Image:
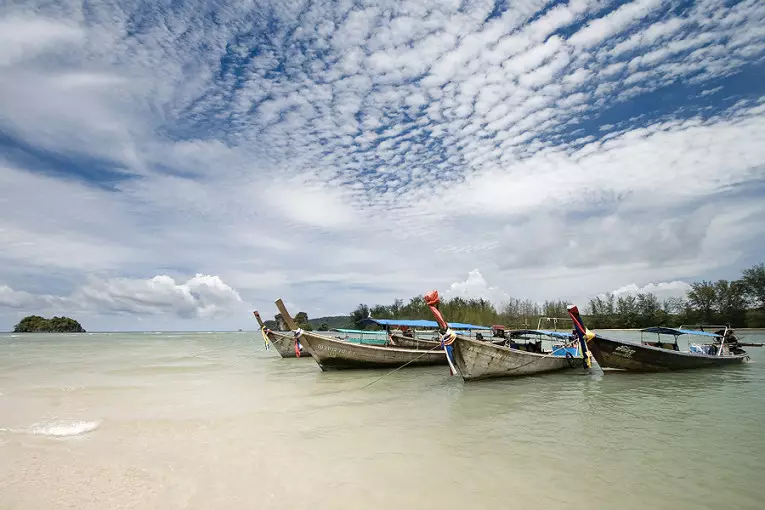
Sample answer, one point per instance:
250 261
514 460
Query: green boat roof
359 331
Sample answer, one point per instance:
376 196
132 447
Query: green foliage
360 313
472 311
301 319
753 281
324 326
730 302
702 297
720 302
755 318
523 313
602 312
332 322
37 324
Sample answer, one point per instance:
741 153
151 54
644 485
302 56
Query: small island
37 324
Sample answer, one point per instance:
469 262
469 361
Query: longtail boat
285 344
474 359
412 341
334 354
658 356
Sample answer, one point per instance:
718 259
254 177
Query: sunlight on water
200 420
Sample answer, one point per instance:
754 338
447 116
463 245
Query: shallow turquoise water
210 420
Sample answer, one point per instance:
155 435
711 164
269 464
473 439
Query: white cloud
709 92
202 296
476 287
662 290
16 299
24 38
314 205
614 22
345 154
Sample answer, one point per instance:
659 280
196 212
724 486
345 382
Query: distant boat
474 359
659 356
360 336
283 343
334 354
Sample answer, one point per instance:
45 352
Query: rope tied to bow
297 334
448 337
265 331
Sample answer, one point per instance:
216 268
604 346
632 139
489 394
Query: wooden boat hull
481 360
333 354
285 345
611 353
407 342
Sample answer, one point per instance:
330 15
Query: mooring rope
449 338
399 368
565 345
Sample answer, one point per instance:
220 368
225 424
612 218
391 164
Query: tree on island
37 324
301 319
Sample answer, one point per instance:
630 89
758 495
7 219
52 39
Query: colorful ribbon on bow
447 339
264 331
584 334
298 333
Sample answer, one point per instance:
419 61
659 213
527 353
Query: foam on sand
64 429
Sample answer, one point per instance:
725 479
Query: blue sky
174 165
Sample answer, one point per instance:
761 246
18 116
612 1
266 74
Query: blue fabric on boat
701 349
561 351
545 332
420 323
677 332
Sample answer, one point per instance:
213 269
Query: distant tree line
521 313
738 303
37 324
320 324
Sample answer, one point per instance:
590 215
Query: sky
176 165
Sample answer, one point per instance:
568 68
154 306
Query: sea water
213 420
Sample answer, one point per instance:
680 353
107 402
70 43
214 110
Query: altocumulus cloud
333 153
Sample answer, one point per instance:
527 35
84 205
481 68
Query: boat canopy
545 332
420 323
662 330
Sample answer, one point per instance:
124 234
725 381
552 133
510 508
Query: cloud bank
202 296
